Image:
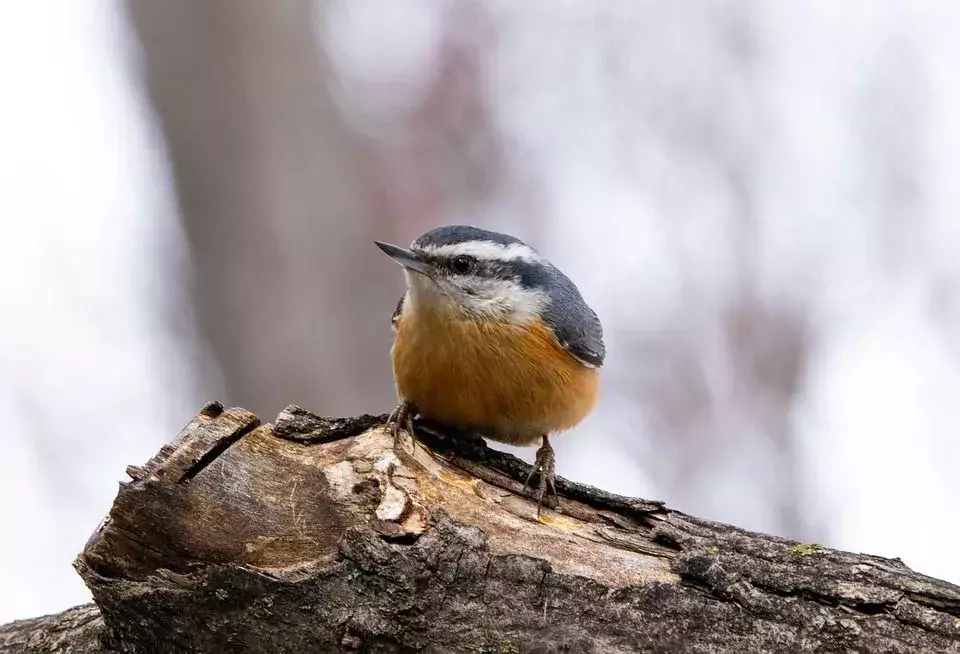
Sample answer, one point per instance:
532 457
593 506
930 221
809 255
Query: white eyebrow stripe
485 250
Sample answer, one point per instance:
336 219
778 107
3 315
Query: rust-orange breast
513 381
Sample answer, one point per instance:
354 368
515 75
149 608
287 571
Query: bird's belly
513 383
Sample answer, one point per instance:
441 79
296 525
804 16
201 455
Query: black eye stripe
489 268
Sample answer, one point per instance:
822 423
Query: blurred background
759 199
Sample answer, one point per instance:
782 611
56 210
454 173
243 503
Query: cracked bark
315 534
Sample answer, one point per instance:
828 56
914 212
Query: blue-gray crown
453 234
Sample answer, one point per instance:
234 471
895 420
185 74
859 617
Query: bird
491 338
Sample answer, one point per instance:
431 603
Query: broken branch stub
315 534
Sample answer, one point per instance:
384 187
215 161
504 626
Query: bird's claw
402 417
546 465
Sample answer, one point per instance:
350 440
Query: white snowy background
671 152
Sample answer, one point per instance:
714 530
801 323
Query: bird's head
471 273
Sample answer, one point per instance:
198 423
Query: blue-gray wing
574 323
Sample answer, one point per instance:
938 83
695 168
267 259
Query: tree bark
79 630
323 535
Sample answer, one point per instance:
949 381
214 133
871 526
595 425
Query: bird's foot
402 417
546 465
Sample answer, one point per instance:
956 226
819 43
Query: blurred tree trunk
278 225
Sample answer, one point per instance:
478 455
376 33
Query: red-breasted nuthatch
490 337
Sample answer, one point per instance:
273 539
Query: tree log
323 535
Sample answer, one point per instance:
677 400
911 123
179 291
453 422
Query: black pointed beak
406 258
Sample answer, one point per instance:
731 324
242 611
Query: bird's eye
462 264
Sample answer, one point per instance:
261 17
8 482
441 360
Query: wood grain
320 534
